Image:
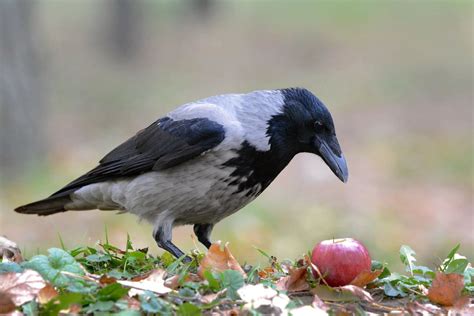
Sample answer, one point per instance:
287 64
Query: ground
107 279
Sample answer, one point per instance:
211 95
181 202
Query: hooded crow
203 161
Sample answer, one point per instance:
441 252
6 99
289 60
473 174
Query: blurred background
79 77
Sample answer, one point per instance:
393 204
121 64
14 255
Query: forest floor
107 279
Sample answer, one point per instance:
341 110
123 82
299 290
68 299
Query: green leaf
150 303
407 255
112 292
469 276
377 265
128 312
425 273
81 286
51 266
63 301
455 263
100 306
214 283
30 308
98 257
167 259
453 252
138 255
188 309
392 290
10 267
232 281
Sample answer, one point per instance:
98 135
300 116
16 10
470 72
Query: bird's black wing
163 144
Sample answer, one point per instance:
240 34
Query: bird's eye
318 126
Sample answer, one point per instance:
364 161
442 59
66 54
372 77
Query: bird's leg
162 237
203 231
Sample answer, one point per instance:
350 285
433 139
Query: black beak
336 162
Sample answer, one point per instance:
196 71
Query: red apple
340 260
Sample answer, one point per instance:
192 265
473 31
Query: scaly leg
162 237
203 231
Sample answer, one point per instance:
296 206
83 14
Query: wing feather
164 144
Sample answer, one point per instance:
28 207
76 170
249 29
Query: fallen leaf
308 310
142 276
446 288
9 251
154 282
266 272
133 303
357 292
318 303
6 304
250 293
259 295
173 282
417 308
21 287
218 260
365 277
105 279
347 293
295 281
209 298
46 294
74 309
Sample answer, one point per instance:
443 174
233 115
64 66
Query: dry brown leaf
365 277
154 282
6 303
209 298
133 303
173 282
74 309
295 281
46 294
218 260
318 303
446 288
105 279
417 308
357 292
21 287
266 272
9 251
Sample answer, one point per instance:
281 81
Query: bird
203 161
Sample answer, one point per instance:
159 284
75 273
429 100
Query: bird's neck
254 169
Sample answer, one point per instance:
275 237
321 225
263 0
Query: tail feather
48 206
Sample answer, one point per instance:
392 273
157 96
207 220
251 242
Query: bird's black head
307 126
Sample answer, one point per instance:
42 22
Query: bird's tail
48 206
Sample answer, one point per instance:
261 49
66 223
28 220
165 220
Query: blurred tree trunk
124 34
203 8
21 106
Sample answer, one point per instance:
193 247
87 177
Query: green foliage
66 270
397 285
188 309
51 267
232 281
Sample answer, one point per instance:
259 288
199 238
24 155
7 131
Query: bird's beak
334 158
